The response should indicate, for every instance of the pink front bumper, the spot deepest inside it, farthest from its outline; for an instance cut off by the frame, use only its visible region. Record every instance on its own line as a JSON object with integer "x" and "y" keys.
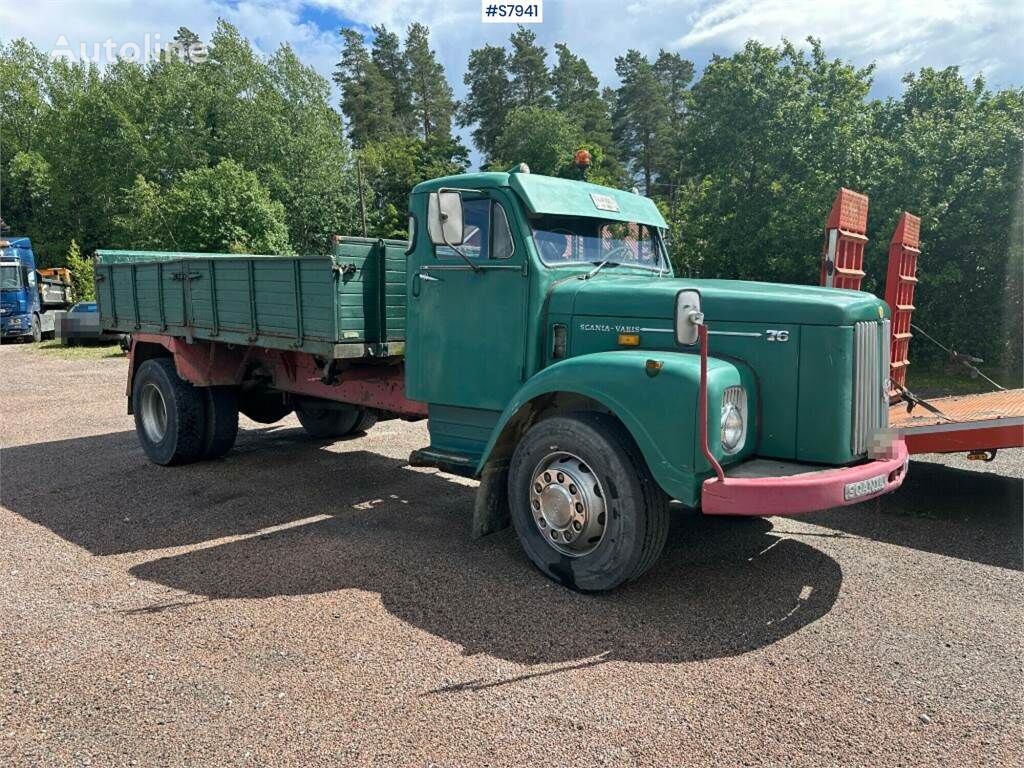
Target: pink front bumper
{"x": 808, "y": 492}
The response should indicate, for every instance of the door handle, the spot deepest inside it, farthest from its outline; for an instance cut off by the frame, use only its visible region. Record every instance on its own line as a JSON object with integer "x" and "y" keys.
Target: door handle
{"x": 418, "y": 281}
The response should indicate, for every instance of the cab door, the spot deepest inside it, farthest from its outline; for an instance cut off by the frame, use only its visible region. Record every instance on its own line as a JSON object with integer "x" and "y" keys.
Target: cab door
{"x": 467, "y": 326}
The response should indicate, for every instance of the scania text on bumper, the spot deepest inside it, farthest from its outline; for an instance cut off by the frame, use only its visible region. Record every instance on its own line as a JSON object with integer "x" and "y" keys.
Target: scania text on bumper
{"x": 808, "y": 491}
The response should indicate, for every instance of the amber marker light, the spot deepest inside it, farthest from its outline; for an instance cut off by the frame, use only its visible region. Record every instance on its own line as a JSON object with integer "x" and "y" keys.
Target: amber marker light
{"x": 629, "y": 339}
{"x": 653, "y": 367}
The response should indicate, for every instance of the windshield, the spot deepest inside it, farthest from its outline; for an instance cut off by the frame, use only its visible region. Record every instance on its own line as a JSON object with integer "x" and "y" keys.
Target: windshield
{"x": 563, "y": 240}
{"x": 10, "y": 277}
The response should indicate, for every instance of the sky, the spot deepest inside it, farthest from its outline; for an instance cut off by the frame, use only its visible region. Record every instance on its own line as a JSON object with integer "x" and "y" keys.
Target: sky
{"x": 899, "y": 36}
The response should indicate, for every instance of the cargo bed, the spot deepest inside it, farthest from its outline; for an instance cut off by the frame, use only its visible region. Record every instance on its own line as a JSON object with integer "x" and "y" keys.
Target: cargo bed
{"x": 350, "y": 303}
{"x": 982, "y": 422}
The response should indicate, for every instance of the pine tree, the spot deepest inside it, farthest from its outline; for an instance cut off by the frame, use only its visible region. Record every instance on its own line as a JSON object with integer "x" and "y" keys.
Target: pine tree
{"x": 185, "y": 42}
{"x": 367, "y": 98}
{"x": 640, "y": 118}
{"x": 83, "y": 287}
{"x": 393, "y": 65}
{"x": 575, "y": 90}
{"x": 527, "y": 66}
{"x": 433, "y": 102}
{"x": 674, "y": 73}
{"x": 487, "y": 101}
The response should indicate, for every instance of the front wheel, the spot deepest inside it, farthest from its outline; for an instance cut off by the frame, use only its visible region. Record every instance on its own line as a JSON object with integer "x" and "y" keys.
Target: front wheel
{"x": 37, "y": 330}
{"x": 584, "y": 505}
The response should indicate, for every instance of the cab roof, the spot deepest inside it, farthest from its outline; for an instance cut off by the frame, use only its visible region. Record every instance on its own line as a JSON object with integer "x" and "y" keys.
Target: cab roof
{"x": 560, "y": 197}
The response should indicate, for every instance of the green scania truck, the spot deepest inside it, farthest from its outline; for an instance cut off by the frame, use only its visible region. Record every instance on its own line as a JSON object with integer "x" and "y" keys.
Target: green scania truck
{"x": 537, "y": 325}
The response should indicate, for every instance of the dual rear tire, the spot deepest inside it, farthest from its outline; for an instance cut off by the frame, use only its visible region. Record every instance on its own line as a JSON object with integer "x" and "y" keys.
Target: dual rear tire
{"x": 178, "y": 423}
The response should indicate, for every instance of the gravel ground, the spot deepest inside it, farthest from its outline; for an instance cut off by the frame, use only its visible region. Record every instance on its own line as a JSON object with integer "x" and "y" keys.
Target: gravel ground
{"x": 301, "y": 603}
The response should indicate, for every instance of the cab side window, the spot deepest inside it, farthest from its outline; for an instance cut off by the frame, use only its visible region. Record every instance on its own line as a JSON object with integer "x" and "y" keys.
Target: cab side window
{"x": 501, "y": 234}
{"x": 476, "y": 231}
{"x": 485, "y": 232}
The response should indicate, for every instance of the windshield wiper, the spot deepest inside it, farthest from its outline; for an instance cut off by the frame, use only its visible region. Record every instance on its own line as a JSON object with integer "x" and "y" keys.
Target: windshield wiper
{"x": 600, "y": 265}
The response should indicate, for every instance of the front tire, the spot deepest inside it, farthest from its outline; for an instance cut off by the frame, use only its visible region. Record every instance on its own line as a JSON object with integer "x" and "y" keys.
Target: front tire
{"x": 37, "y": 330}
{"x": 584, "y": 505}
{"x": 170, "y": 414}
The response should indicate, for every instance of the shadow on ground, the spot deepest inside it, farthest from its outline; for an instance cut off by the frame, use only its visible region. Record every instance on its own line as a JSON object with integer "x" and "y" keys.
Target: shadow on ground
{"x": 723, "y": 587}
{"x": 967, "y": 514}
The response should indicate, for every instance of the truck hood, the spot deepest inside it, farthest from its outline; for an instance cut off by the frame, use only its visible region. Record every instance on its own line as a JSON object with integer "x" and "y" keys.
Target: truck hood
{"x": 646, "y": 296}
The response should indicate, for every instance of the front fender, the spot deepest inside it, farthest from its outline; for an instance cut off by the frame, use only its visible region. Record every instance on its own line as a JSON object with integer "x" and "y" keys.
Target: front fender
{"x": 659, "y": 411}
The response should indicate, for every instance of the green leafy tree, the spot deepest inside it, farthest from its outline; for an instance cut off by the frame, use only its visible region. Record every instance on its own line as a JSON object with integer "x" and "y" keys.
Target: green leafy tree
{"x": 83, "y": 285}
{"x": 950, "y": 151}
{"x": 432, "y": 99}
{"x": 319, "y": 200}
{"x": 28, "y": 191}
{"x": 393, "y": 167}
{"x": 216, "y": 209}
{"x": 771, "y": 135}
{"x": 544, "y": 139}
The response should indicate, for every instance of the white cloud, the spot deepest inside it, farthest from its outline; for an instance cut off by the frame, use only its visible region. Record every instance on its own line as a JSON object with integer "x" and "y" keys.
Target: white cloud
{"x": 979, "y": 35}
{"x": 267, "y": 24}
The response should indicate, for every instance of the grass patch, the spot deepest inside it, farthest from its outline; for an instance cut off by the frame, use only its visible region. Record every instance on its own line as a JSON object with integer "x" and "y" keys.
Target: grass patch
{"x": 935, "y": 381}
{"x": 79, "y": 351}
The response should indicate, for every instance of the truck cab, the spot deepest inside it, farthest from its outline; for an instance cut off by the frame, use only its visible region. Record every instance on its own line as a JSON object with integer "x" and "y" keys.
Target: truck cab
{"x": 30, "y": 299}
{"x": 20, "y": 310}
{"x": 548, "y": 307}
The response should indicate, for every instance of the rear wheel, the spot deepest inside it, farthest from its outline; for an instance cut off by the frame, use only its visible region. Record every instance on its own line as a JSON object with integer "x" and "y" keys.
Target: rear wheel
{"x": 221, "y": 421}
{"x": 584, "y": 506}
{"x": 170, "y": 414}
{"x": 334, "y": 420}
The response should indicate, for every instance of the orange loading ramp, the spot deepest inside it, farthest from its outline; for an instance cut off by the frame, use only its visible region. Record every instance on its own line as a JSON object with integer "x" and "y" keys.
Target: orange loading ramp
{"x": 975, "y": 423}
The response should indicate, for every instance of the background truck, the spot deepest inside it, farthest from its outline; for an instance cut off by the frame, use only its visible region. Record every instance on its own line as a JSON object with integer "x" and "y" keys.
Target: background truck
{"x": 536, "y": 323}
{"x": 29, "y": 299}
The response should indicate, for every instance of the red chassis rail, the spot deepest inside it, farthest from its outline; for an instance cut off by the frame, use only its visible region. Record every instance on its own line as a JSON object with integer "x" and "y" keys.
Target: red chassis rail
{"x": 205, "y": 363}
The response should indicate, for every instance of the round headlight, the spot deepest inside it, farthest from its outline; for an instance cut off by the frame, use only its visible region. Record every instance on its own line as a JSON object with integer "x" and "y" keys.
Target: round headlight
{"x": 732, "y": 428}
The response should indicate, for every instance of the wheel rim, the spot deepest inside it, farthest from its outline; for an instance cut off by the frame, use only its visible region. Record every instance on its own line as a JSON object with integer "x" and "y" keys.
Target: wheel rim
{"x": 567, "y": 504}
{"x": 153, "y": 411}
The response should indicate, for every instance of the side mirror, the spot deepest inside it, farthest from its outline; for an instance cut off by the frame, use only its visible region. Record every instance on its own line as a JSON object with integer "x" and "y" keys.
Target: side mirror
{"x": 444, "y": 218}
{"x": 688, "y": 317}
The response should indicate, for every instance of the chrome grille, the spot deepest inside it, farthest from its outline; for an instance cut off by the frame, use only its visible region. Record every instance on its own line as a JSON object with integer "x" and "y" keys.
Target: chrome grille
{"x": 870, "y": 389}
